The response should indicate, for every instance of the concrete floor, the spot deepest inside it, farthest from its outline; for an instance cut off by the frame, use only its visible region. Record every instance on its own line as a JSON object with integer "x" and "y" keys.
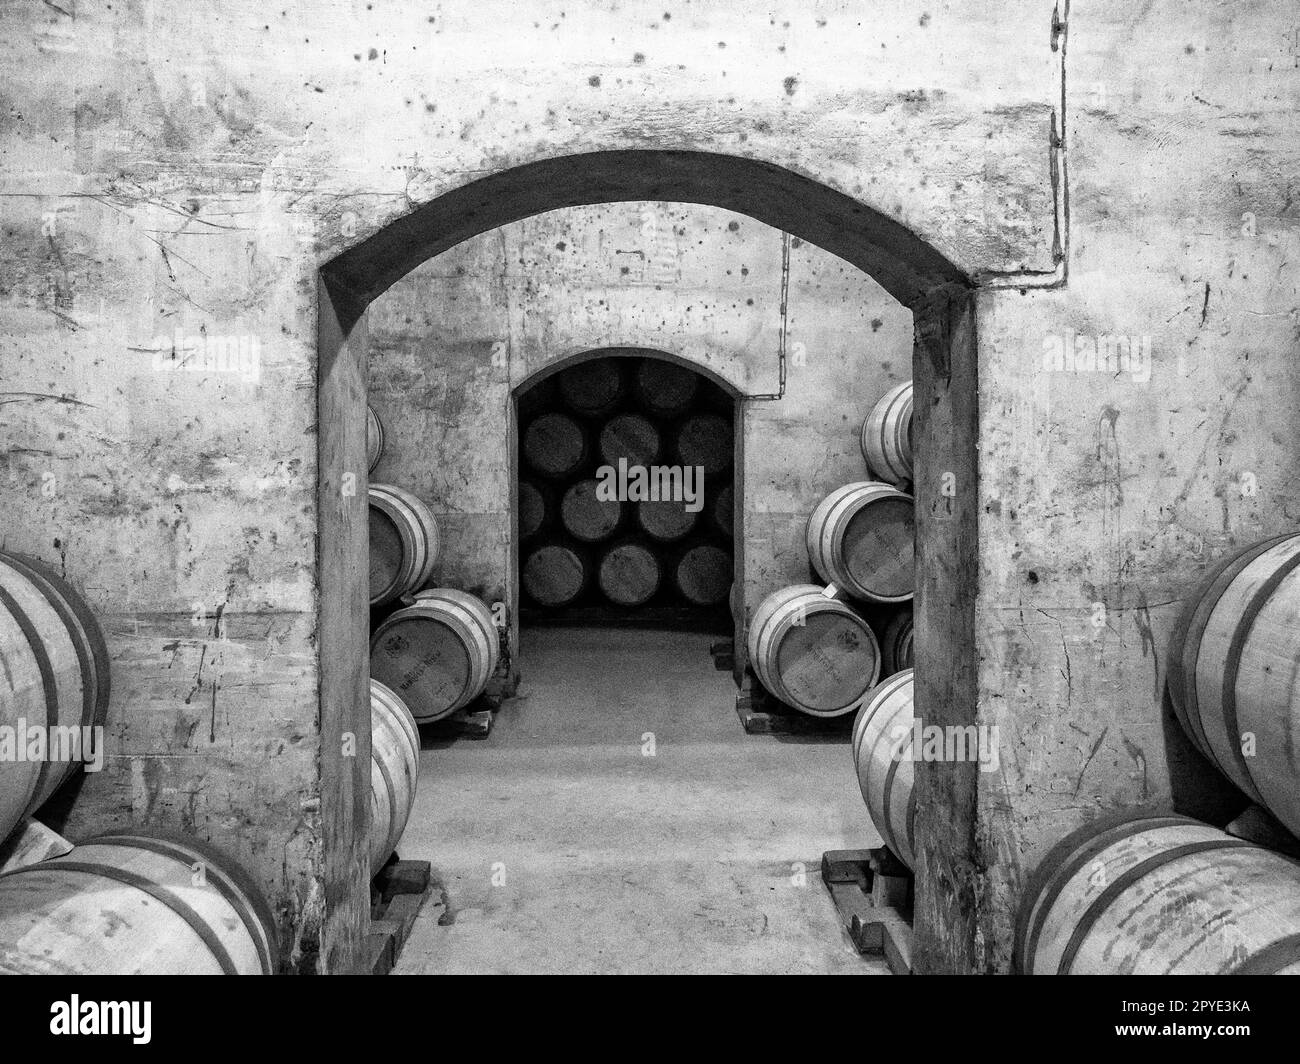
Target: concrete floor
{"x": 563, "y": 848}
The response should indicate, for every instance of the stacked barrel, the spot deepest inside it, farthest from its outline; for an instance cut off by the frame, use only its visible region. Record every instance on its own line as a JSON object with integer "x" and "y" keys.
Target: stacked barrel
{"x": 1164, "y": 894}
{"x": 135, "y": 904}
{"x": 820, "y": 650}
{"x": 432, "y": 650}
{"x": 1159, "y": 895}
{"x": 55, "y": 678}
{"x": 599, "y": 536}
{"x": 394, "y": 769}
{"x": 1233, "y": 660}
{"x": 886, "y": 440}
{"x": 883, "y": 734}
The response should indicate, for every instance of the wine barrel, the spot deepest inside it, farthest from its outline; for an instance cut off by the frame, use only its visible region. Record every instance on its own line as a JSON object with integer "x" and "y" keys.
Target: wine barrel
{"x": 896, "y": 643}
{"x": 629, "y": 574}
{"x": 532, "y": 509}
{"x": 665, "y": 388}
{"x": 887, "y": 436}
{"x": 862, "y": 538}
{"x": 586, "y": 516}
{"x": 554, "y": 445}
{"x": 135, "y": 904}
{"x": 394, "y": 769}
{"x": 1159, "y": 895}
{"x": 1232, "y": 672}
{"x": 706, "y": 441}
{"x": 631, "y": 438}
{"x": 404, "y": 543}
{"x": 438, "y": 654}
{"x": 54, "y": 673}
{"x": 882, "y": 742}
{"x": 554, "y": 576}
{"x": 724, "y": 510}
{"x": 592, "y": 388}
{"x": 704, "y": 574}
{"x": 812, "y": 652}
{"x": 374, "y": 438}
{"x": 665, "y": 520}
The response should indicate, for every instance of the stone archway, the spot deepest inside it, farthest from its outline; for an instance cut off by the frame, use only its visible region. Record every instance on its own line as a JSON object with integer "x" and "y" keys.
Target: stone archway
{"x": 940, "y": 296}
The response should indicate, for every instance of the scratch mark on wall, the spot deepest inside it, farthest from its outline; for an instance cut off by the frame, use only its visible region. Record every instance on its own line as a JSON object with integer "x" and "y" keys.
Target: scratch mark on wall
{"x": 1139, "y": 758}
{"x": 1088, "y": 761}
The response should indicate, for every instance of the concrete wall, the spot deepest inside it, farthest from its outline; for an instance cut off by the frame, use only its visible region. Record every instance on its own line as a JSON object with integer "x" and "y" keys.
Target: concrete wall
{"x": 452, "y": 339}
{"x": 174, "y": 167}
{"x": 1105, "y": 493}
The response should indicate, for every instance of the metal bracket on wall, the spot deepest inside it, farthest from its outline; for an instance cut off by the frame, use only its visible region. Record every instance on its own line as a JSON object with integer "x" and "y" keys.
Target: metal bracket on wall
{"x": 785, "y": 317}
{"x": 1058, "y": 175}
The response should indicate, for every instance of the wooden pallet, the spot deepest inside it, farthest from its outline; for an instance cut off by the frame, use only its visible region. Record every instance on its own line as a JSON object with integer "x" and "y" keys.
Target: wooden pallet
{"x": 723, "y": 653}
{"x": 761, "y": 714}
{"x": 872, "y": 891}
{"x": 473, "y": 722}
{"x": 397, "y": 895}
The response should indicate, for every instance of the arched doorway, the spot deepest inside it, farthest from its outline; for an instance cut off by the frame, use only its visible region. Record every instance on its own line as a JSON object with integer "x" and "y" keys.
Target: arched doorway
{"x": 938, "y": 294}
{"x": 625, "y": 488}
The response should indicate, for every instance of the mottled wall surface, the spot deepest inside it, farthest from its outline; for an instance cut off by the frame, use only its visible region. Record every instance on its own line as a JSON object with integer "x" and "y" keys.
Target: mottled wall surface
{"x": 1105, "y": 492}
{"x": 454, "y": 338}
{"x": 182, "y": 171}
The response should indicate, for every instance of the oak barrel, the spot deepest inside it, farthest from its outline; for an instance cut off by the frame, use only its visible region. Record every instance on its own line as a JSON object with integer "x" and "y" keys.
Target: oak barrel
{"x": 629, "y": 574}
{"x": 704, "y": 574}
{"x": 554, "y": 575}
{"x": 587, "y": 516}
{"x": 374, "y": 438}
{"x": 862, "y": 538}
{"x": 631, "y": 438}
{"x": 394, "y": 769}
{"x": 593, "y": 387}
{"x": 438, "y": 654}
{"x": 1233, "y": 660}
{"x": 812, "y": 652}
{"x": 404, "y": 543}
{"x": 554, "y": 445}
{"x": 665, "y": 520}
{"x": 724, "y": 510}
{"x": 706, "y": 441}
{"x": 135, "y": 904}
{"x": 532, "y": 509}
{"x": 896, "y": 643}
{"x": 882, "y": 741}
{"x": 665, "y": 388}
{"x": 54, "y": 673}
{"x": 887, "y": 436}
{"x": 1159, "y": 895}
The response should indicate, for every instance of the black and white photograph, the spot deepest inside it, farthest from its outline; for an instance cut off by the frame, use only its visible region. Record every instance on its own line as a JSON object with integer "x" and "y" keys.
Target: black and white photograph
{"x": 693, "y": 488}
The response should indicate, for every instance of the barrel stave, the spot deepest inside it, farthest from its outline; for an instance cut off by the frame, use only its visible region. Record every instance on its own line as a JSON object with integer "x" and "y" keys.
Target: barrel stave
{"x": 134, "y": 904}
{"x": 1161, "y": 895}
{"x": 883, "y": 755}
{"x": 56, "y": 674}
{"x": 375, "y": 438}
{"x": 394, "y": 769}
{"x": 1232, "y": 675}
